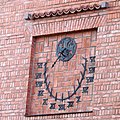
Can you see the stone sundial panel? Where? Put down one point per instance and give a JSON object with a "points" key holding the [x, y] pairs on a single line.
{"points": [[62, 73]]}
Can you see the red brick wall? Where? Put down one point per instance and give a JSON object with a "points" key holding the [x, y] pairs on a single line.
{"points": [[16, 35]]}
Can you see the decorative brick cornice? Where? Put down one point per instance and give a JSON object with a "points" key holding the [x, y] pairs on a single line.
{"points": [[66, 11], [69, 25]]}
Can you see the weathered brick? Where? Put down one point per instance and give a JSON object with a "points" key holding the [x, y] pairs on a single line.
{"points": [[16, 51]]}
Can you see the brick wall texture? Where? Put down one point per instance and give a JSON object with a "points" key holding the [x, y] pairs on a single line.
{"points": [[17, 36]]}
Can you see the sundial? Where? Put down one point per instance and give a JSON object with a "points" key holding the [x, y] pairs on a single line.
{"points": [[63, 75]]}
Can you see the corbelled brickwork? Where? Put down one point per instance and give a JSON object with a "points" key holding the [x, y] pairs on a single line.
{"points": [[17, 36]]}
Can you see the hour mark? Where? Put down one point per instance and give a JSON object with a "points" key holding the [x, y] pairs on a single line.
{"points": [[92, 59], [52, 105], [70, 104], [74, 89], [39, 65], [78, 99], [45, 101], [56, 96], [40, 93], [62, 97], [47, 86], [85, 90], [51, 91], [61, 107], [39, 83], [68, 94], [90, 79], [38, 75], [91, 69]]}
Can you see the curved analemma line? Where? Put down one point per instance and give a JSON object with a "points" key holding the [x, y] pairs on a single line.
{"points": [[75, 89]]}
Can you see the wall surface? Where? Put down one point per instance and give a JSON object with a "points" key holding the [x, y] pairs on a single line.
{"points": [[16, 41]]}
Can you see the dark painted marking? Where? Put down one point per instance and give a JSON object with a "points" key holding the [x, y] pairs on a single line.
{"points": [[39, 83], [40, 93], [52, 105], [89, 79], [40, 65], [78, 99], [70, 104], [91, 69], [85, 90], [45, 101], [92, 59], [38, 75], [61, 107]]}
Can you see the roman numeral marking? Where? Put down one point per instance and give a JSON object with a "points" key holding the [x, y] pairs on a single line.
{"points": [[39, 83], [38, 75], [61, 107], [91, 69], [52, 105], [40, 93], [70, 104], [45, 101], [90, 79], [40, 65], [92, 59], [78, 99], [85, 90]]}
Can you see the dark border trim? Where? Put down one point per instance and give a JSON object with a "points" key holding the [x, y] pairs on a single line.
{"points": [[56, 114]]}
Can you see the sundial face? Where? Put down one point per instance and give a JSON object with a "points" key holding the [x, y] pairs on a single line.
{"points": [[66, 49], [62, 74]]}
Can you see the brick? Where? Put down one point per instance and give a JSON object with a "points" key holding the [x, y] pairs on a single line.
{"points": [[17, 52]]}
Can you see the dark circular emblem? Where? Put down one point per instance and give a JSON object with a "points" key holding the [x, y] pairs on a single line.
{"points": [[66, 49]]}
